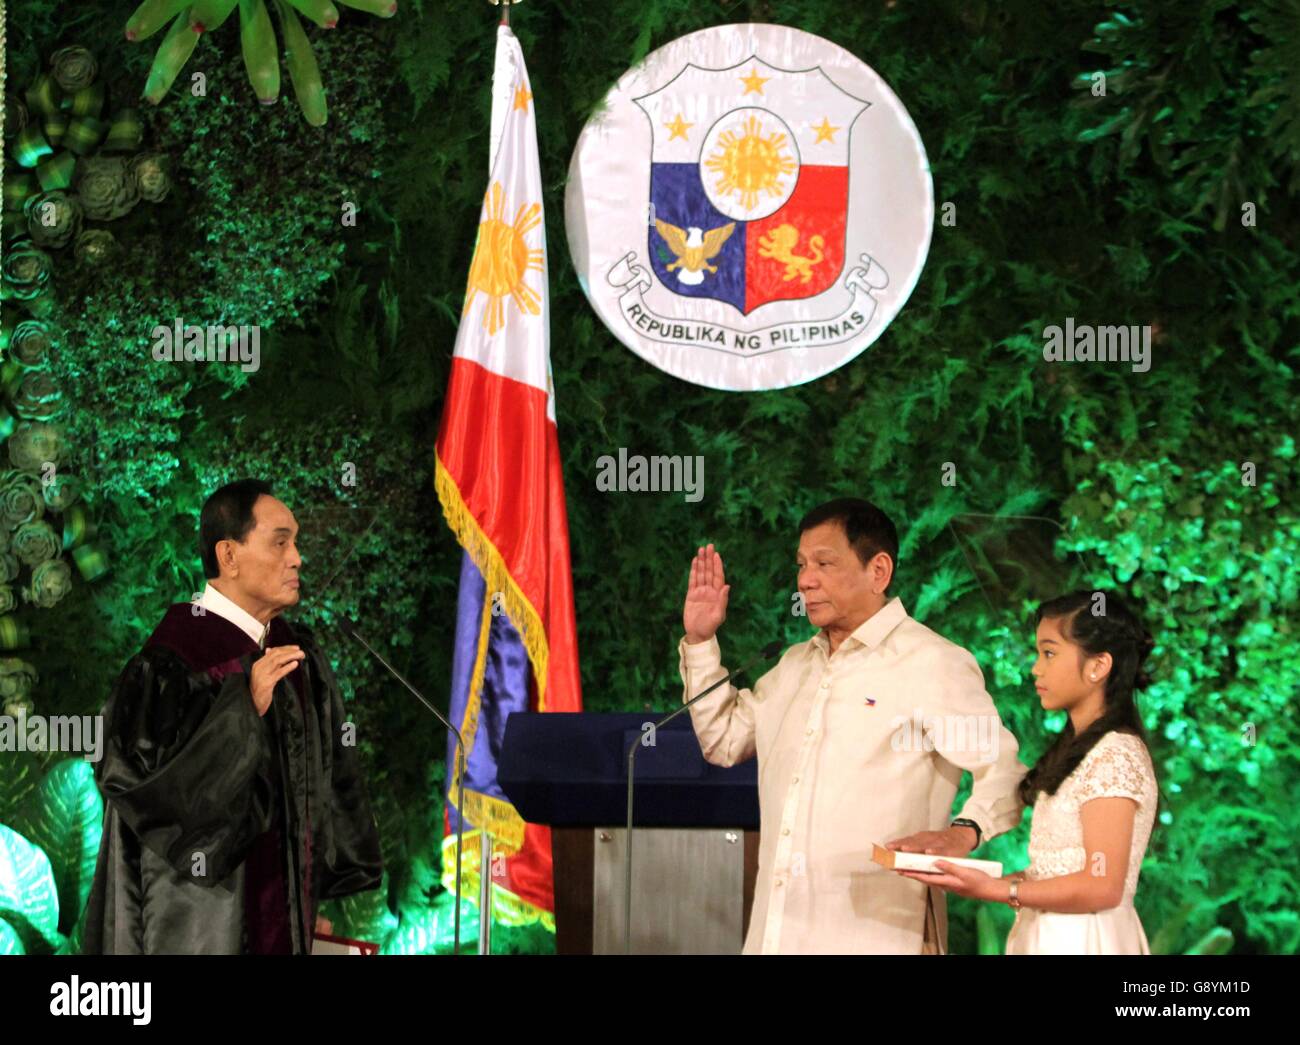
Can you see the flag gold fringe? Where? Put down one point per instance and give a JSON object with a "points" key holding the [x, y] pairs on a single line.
{"points": [[492, 566], [474, 699], [507, 908]]}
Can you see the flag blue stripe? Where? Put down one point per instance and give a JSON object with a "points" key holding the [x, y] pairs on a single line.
{"points": [[505, 685]]}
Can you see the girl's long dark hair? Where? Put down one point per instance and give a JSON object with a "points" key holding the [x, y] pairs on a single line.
{"points": [[1119, 632]]}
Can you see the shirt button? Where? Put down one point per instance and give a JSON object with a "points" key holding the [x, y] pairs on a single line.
{"points": [[779, 882], [826, 685], [785, 831], [796, 780], [809, 733]]}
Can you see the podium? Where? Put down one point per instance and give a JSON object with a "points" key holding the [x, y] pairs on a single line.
{"points": [[694, 850]]}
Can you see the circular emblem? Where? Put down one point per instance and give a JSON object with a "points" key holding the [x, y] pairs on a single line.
{"points": [[750, 208]]}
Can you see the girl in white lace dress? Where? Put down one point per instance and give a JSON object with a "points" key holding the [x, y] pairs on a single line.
{"points": [[1093, 791]]}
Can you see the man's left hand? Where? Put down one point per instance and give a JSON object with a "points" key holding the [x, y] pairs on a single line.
{"points": [[323, 925], [964, 881], [955, 841]]}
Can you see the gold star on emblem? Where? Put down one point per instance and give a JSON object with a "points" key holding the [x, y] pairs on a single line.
{"points": [[753, 82], [679, 127], [826, 133], [522, 97]]}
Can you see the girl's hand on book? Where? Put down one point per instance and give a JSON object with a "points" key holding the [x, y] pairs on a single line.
{"points": [[963, 881]]}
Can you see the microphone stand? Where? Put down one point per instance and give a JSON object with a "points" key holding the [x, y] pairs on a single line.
{"points": [[768, 652], [350, 630]]}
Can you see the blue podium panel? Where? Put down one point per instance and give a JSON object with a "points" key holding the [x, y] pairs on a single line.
{"points": [[570, 770]]}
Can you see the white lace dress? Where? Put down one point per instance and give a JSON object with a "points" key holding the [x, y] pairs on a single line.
{"points": [[1117, 766]]}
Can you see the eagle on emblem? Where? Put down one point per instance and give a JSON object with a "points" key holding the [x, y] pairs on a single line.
{"points": [[693, 247]]}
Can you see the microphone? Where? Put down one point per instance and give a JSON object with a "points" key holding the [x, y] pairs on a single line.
{"points": [[767, 653], [350, 630]]}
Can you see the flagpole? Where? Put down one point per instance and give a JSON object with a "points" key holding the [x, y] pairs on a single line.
{"points": [[484, 891], [485, 839], [505, 10]]}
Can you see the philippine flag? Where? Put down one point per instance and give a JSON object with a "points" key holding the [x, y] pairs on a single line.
{"points": [[501, 489]]}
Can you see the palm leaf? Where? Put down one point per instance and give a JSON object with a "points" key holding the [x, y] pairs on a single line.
{"points": [[10, 941], [29, 901], [65, 818]]}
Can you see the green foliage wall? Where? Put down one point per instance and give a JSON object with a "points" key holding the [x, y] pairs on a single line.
{"points": [[1125, 208]]}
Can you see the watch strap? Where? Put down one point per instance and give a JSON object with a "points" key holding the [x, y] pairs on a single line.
{"points": [[964, 822]]}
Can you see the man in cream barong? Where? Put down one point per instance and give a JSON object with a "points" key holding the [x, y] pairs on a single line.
{"points": [[862, 734]]}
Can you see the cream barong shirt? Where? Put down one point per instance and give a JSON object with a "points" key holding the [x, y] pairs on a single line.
{"points": [[864, 745]]}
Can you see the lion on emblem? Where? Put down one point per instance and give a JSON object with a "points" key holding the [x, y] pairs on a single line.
{"points": [[779, 245]]}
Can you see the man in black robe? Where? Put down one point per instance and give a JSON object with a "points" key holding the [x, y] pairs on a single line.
{"points": [[234, 802]]}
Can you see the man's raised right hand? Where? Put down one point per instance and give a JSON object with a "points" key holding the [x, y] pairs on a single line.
{"points": [[706, 597], [275, 664]]}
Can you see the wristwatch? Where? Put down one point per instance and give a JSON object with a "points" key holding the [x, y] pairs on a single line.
{"points": [[963, 822]]}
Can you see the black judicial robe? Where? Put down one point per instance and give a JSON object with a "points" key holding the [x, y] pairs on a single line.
{"points": [[223, 829]]}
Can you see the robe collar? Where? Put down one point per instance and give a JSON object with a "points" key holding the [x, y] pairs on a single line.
{"points": [[206, 640], [222, 605]]}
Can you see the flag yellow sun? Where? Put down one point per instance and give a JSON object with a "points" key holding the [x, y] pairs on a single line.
{"points": [[502, 257], [750, 163]]}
